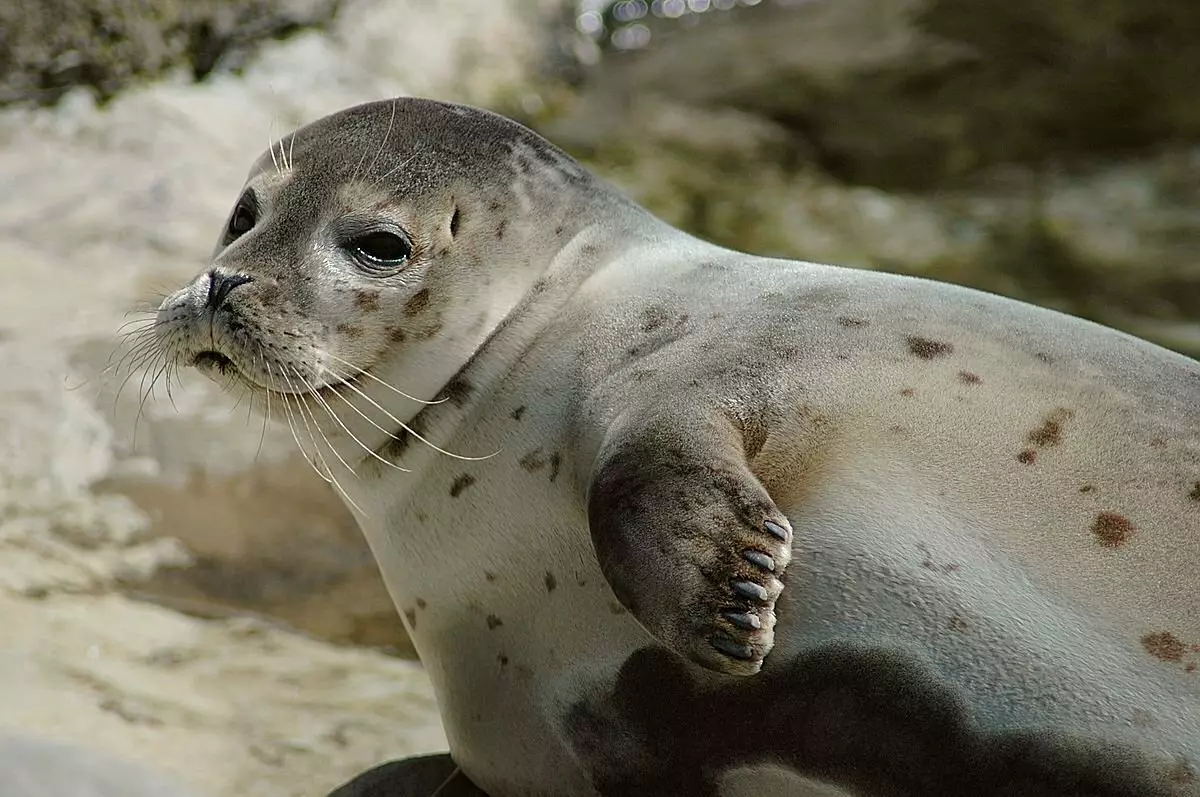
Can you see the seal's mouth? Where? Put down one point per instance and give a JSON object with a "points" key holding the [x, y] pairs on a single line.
{"points": [[215, 361]]}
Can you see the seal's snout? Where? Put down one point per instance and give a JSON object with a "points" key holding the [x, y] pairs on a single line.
{"points": [[220, 285]]}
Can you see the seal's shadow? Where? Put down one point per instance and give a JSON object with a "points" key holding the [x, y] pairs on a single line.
{"points": [[876, 722]]}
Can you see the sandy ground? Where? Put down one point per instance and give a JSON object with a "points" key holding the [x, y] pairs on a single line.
{"points": [[101, 208]]}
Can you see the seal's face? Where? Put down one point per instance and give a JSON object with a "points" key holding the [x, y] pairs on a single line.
{"points": [[312, 283], [367, 257]]}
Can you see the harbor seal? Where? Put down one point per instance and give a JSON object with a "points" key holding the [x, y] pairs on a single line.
{"points": [[665, 518]]}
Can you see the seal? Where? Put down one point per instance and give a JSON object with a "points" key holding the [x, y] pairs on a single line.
{"points": [[664, 518]]}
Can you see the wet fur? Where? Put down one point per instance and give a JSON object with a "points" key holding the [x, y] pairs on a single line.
{"points": [[996, 508]]}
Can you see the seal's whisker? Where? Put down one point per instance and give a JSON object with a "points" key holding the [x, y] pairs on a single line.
{"points": [[291, 422], [144, 322], [146, 391], [333, 479], [415, 433], [386, 135], [363, 372], [292, 150], [262, 436], [393, 170], [304, 399], [437, 792], [316, 394], [271, 148]]}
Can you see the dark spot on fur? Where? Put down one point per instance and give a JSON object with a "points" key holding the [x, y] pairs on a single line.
{"points": [[558, 230], [851, 323], [533, 461], [494, 206], [1027, 457], [555, 463], [928, 349], [396, 334], [898, 429], [1182, 773], [653, 317], [421, 604], [1158, 442], [1195, 493], [908, 392], [411, 614], [489, 576], [1087, 488], [968, 378], [1112, 530], [1050, 432], [417, 304], [367, 301], [458, 391], [1163, 645], [500, 229], [461, 483], [518, 413], [640, 374], [503, 660], [551, 582], [349, 330], [1046, 358], [494, 622], [957, 623]]}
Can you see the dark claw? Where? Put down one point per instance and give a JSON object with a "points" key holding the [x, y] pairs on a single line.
{"points": [[748, 589], [744, 620], [777, 530], [759, 558], [732, 649]]}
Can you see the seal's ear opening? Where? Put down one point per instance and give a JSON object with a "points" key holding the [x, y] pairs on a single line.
{"points": [[455, 218]]}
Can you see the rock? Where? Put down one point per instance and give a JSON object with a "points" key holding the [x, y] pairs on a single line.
{"points": [[48, 47], [108, 494], [35, 767], [1044, 151]]}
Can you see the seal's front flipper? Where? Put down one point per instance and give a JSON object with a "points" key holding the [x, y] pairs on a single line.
{"points": [[689, 539]]}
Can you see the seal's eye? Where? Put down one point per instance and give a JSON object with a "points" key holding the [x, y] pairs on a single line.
{"points": [[242, 220], [380, 249]]}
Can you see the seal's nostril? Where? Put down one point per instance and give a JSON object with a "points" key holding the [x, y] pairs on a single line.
{"points": [[220, 285]]}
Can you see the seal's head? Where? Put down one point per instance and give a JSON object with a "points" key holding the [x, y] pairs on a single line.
{"points": [[384, 242]]}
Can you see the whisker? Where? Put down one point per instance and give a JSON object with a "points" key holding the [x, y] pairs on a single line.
{"points": [[361, 444], [333, 479], [413, 432], [362, 372], [266, 418], [271, 147], [437, 792], [287, 408], [386, 135], [145, 395]]}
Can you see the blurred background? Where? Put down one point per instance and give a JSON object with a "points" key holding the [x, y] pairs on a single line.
{"points": [[169, 592]]}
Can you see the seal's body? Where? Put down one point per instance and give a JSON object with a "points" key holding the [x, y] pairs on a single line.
{"points": [[693, 522]]}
